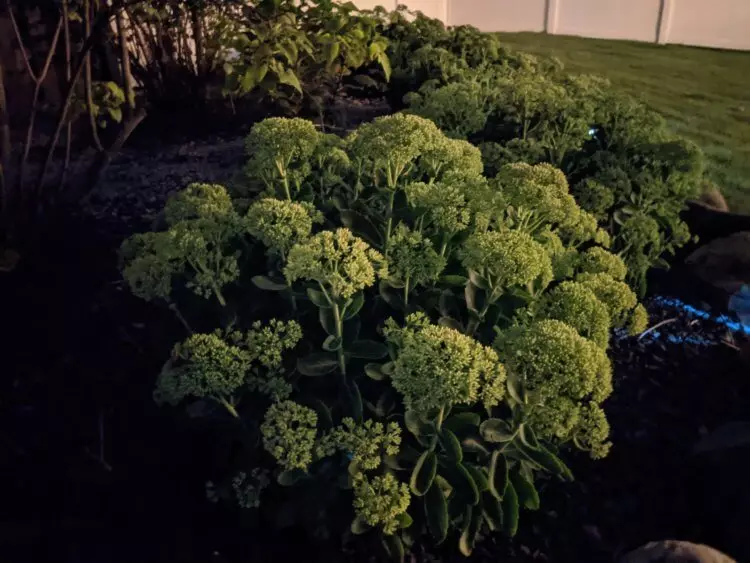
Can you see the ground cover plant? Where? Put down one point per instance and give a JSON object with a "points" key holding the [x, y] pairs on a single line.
{"points": [[624, 165], [702, 93], [392, 340]]}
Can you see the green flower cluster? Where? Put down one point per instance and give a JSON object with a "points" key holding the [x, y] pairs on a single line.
{"points": [[444, 206], [389, 144], [438, 367], [289, 431], [280, 224], [366, 443], [199, 201], [597, 260], [341, 262], [638, 320], [563, 373], [541, 188], [265, 345], [381, 501], [616, 295], [564, 259], [412, 259], [448, 156], [583, 228], [151, 260], [576, 305], [197, 244], [204, 365], [280, 150], [507, 258], [592, 431]]}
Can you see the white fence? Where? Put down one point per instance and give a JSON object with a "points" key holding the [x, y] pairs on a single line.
{"points": [[711, 23]]}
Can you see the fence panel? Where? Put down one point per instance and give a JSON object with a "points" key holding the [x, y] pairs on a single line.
{"points": [[499, 15]]}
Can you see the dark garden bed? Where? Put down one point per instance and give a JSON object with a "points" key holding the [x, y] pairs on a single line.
{"points": [[94, 471]]}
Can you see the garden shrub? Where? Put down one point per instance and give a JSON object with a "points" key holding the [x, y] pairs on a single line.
{"points": [[407, 350], [301, 52], [624, 166]]}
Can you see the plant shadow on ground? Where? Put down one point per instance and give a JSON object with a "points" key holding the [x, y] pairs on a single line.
{"points": [[79, 368], [703, 93]]}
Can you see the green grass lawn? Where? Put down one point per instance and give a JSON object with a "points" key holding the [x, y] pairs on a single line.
{"points": [[703, 93]]}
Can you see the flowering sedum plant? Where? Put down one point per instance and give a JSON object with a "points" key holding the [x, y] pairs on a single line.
{"points": [[406, 346]]}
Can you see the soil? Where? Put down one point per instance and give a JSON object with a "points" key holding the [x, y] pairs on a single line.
{"points": [[94, 471]]}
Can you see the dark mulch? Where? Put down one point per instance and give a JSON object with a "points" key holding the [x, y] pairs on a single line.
{"points": [[94, 471]]}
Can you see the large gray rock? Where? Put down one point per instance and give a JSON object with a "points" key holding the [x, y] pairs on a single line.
{"points": [[724, 262], [673, 551]]}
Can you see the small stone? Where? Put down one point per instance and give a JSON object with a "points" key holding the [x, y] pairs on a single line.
{"points": [[672, 551]]}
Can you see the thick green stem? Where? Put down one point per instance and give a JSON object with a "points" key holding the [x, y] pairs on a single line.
{"points": [[219, 295], [389, 214], [340, 335], [406, 291], [439, 420], [229, 406]]}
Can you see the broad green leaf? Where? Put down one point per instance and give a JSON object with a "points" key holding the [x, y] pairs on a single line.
{"points": [[423, 474], [262, 282], [404, 520], [498, 474], [318, 363], [351, 331], [375, 371], [386, 403], [473, 519], [354, 306], [527, 494], [546, 459], [115, 114], [289, 77], [527, 436], [449, 322], [479, 476], [318, 298], [367, 350], [332, 343], [454, 280], [515, 389], [478, 280], [436, 513], [460, 423], [359, 526], [451, 446], [354, 397], [493, 512], [361, 226], [510, 511], [385, 64], [496, 431], [289, 478], [414, 424], [327, 321], [473, 444], [462, 482], [394, 547], [331, 51]]}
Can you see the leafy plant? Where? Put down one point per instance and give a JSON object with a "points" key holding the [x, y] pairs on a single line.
{"points": [[299, 52], [625, 167], [436, 341]]}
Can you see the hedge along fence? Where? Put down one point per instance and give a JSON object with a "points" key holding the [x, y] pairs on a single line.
{"points": [[723, 24]]}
